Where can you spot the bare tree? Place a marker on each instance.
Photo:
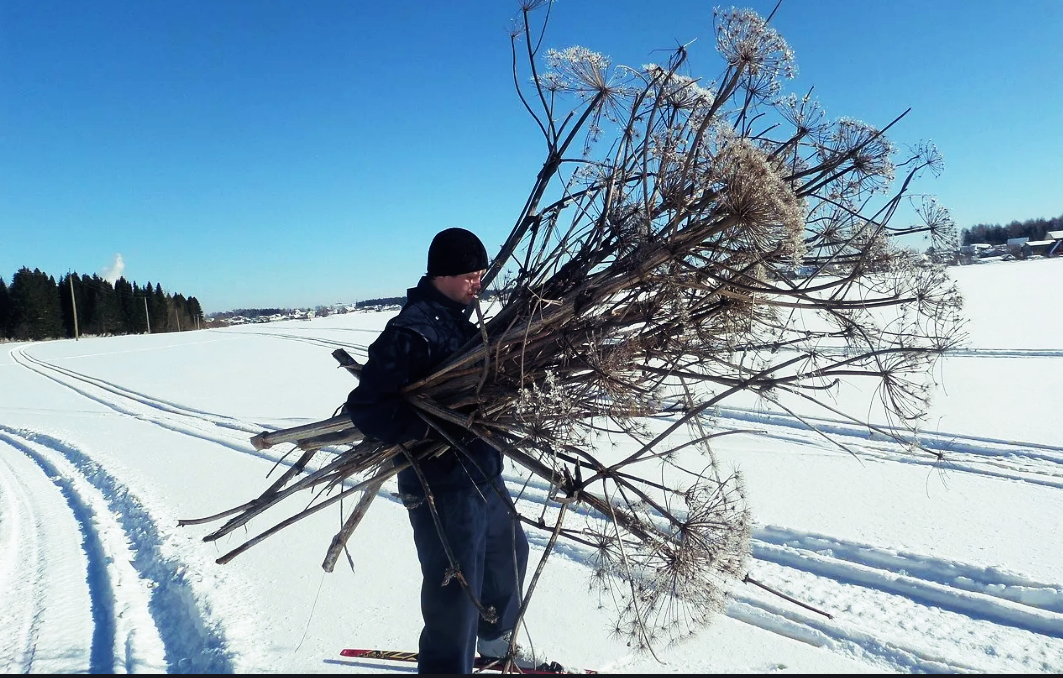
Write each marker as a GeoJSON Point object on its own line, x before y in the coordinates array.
{"type": "Point", "coordinates": [685, 241]}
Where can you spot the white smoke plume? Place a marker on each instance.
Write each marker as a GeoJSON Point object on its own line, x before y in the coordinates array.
{"type": "Point", "coordinates": [113, 271]}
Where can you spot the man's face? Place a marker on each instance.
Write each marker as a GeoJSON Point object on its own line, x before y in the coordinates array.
{"type": "Point", "coordinates": [460, 288]}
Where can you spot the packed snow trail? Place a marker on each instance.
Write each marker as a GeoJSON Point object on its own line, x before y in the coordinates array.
{"type": "Point", "coordinates": [133, 602]}
{"type": "Point", "coordinates": [72, 585]}
{"type": "Point", "coordinates": [888, 609]}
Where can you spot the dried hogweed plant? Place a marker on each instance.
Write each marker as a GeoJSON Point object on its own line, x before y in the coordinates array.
{"type": "Point", "coordinates": [685, 241]}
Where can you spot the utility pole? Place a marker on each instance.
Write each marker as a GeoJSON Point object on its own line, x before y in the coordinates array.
{"type": "Point", "coordinates": [147, 315]}
{"type": "Point", "coordinates": [73, 305]}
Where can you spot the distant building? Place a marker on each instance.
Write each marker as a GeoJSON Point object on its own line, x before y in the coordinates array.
{"type": "Point", "coordinates": [1056, 238]}
{"type": "Point", "coordinates": [980, 250]}
{"type": "Point", "coordinates": [1038, 248]}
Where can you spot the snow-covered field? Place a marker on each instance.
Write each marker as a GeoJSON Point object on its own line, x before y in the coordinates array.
{"type": "Point", "coordinates": [105, 443]}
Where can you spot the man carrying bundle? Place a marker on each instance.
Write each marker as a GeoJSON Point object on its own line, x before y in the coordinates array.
{"type": "Point", "coordinates": [474, 507]}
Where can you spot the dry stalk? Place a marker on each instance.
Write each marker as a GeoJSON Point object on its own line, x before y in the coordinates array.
{"type": "Point", "coordinates": [705, 239]}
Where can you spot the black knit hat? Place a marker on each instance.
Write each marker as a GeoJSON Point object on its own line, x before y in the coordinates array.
{"type": "Point", "coordinates": [455, 251]}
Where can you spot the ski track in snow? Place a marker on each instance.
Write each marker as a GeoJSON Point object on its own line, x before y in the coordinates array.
{"type": "Point", "coordinates": [907, 593]}
{"type": "Point", "coordinates": [980, 603]}
{"type": "Point", "coordinates": [107, 515]}
{"type": "Point", "coordinates": [29, 508]}
{"type": "Point", "coordinates": [913, 595]}
{"type": "Point", "coordinates": [355, 349]}
{"type": "Point", "coordinates": [1028, 462]}
{"type": "Point", "coordinates": [106, 512]}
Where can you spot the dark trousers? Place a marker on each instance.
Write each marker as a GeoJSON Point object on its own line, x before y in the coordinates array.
{"type": "Point", "coordinates": [490, 547]}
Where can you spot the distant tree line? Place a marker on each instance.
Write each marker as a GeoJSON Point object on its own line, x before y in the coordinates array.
{"type": "Point", "coordinates": [1034, 229]}
{"type": "Point", "coordinates": [400, 301]}
{"type": "Point", "coordinates": [387, 301]}
{"type": "Point", "coordinates": [251, 313]}
{"type": "Point", "coordinates": [35, 306]}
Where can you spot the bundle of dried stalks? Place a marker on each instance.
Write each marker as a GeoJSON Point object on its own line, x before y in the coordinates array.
{"type": "Point", "coordinates": [704, 240]}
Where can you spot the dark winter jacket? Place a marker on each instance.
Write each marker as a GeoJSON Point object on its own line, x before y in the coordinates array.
{"type": "Point", "coordinates": [429, 329]}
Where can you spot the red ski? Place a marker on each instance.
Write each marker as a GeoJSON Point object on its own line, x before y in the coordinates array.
{"type": "Point", "coordinates": [479, 663]}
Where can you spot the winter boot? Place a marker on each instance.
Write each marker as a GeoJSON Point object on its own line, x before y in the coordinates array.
{"type": "Point", "coordinates": [523, 659]}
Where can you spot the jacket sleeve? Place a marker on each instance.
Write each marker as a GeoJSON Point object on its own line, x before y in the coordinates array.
{"type": "Point", "coordinates": [396, 358]}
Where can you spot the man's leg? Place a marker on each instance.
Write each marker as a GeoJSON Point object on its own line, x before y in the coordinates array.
{"type": "Point", "coordinates": [448, 640]}
{"type": "Point", "coordinates": [505, 563]}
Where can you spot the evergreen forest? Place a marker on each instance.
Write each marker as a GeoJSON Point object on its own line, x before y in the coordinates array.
{"type": "Point", "coordinates": [36, 306]}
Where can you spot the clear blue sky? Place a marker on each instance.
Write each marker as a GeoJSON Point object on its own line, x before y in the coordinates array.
{"type": "Point", "coordinates": [289, 153]}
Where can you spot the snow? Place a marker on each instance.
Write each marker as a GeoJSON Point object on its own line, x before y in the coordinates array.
{"type": "Point", "coordinates": [105, 443]}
